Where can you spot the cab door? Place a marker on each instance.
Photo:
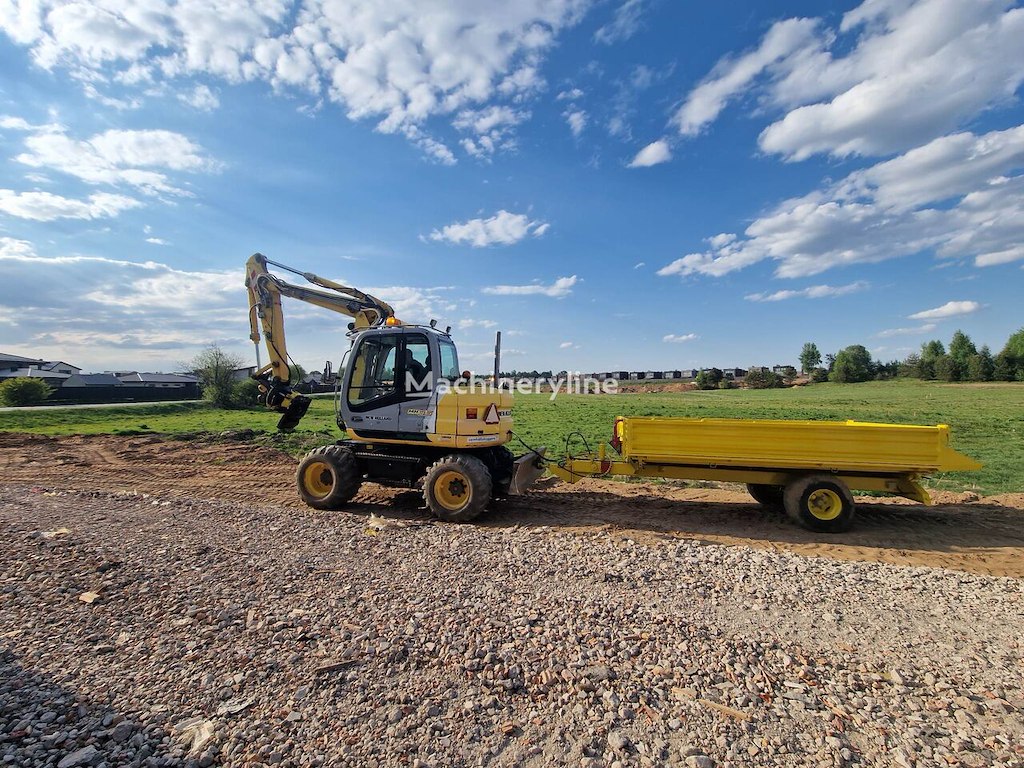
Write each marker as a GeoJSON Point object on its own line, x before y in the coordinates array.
{"type": "Point", "coordinates": [373, 393]}
{"type": "Point", "coordinates": [417, 364]}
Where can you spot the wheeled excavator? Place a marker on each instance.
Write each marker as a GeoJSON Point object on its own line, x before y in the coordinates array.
{"type": "Point", "coordinates": [400, 399]}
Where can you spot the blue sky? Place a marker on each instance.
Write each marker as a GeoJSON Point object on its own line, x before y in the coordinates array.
{"type": "Point", "coordinates": [617, 184]}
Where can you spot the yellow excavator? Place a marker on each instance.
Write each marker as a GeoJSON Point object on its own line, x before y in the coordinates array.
{"type": "Point", "coordinates": [410, 414]}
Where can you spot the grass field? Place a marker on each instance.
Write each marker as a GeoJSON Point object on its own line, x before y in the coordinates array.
{"type": "Point", "coordinates": [987, 419]}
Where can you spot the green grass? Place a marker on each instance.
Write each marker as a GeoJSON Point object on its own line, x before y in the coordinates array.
{"type": "Point", "coordinates": [987, 419]}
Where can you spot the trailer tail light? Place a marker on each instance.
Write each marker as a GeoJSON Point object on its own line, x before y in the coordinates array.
{"type": "Point", "coordinates": [471, 413]}
{"type": "Point", "coordinates": [616, 441]}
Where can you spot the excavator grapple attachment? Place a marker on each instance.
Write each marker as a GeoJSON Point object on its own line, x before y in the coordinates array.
{"type": "Point", "coordinates": [293, 413]}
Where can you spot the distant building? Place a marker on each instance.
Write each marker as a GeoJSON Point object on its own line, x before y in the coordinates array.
{"type": "Point", "coordinates": [16, 362]}
{"type": "Point", "coordinates": [241, 374]}
{"type": "Point", "coordinates": [673, 374]}
{"type": "Point", "coordinates": [734, 373]}
{"type": "Point", "coordinates": [159, 380]}
{"type": "Point", "coordinates": [93, 380]}
{"type": "Point", "coordinates": [689, 373]}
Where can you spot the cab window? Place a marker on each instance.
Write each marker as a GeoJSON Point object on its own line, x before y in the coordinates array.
{"type": "Point", "coordinates": [449, 361]}
{"type": "Point", "coordinates": [373, 369]}
{"type": "Point", "coordinates": [417, 364]}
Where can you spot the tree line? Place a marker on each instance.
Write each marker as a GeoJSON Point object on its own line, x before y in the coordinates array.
{"type": "Point", "coordinates": [962, 360]}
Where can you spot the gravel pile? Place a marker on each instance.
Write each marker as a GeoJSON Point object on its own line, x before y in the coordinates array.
{"type": "Point", "coordinates": [153, 631]}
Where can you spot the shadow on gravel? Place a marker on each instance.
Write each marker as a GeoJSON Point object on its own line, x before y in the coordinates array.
{"type": "Point", "coordinates": [938, 529]}
{"type": "Point", "coordinates": [42, 723]}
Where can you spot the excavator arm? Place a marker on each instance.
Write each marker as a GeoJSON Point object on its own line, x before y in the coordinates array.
{"type": "Point", "coordinates": [266, 315]}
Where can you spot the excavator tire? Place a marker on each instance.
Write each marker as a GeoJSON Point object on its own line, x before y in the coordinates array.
{"type": "Point", "coordinates": [504, 467]}
{"type": "Point", "coordinates": [457, 488]}
{"type": "Point", "coordinates": [768, 496]}
{"type": "Point", "coordinates": [820, 503]}
{"type": "Point", "coordinates": [328, 477]}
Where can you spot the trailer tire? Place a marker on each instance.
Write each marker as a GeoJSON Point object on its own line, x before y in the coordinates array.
{"type": "Point", "coordinates": [328, 477]}
{"type": "Point", "coordinates": [768, 496]}
{"type": "Point", "coordinates": [457, 488]}
{"type": "Point", "coordinates": [820, 503]}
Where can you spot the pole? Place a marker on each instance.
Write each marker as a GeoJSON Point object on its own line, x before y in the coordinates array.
{"type": "Point", "coordinates": [497, 357]}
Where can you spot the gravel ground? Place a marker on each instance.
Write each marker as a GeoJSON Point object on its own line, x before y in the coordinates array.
{"type": "Point", "coordinates": [225, 633]}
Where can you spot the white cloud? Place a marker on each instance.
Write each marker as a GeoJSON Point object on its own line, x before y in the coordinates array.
{"type": "Point", "coordinates": [559, 289]}
{"type": "Point", "coordinates": [811, 292]}
{"type": "Point", "coordinates": [949, 309]}
{"type": "Point", "coordinates": [640, 264]}
{"type": "Point", "coordinates": [399, 63]}
{"type": "Point", "coordinates": [156, 241]}
{"type": "Point", "coordinates": [570, 95]}
{"type": "Point", "coordinates": [953, 195]}
{"type": "Point", "coordinates": [117, 157]}
{"type": "Point", "coordinates": [624, 24]}
{"type": "Point", "coordinates": [503, 228]}
{"type": "Point", "coordinates": [44, 206]}
{"type": "Point", "coordinates": [201, 98]}
{"type": "Point", "coordinates": [894, 74]}
{"type": "Point", "coordinates": [466, 323]}
{"type": "Point", "coordinates": [654, 153]}
{"type": "Point", "coordinates": [492, 128]}
{"type": "Point", "coordinates": [731, 76]}
{"type": "Point", "coordinates": [890, 332]}
{"type": "Point", "coordinates": [673, 338]}
{"type": "Point", "coordinates": [577, 120]}
{"type": "Point", "coordinates": [565, 345]}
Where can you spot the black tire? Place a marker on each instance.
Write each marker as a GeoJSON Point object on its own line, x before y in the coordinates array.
{"type": "Point", "coordinates": [503, 467]}
{"type": "Point", "coordinates": [768, 496]}
{"type": "Point", "coordinates": [328, 477]}
{"type": "Point", "coordinates": [820, 503]}
{"type": "Point", "coordinates": [457, 488]}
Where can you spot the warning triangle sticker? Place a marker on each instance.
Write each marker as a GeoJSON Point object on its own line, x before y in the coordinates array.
{"type": "Point", "coordinates": [491, 414]}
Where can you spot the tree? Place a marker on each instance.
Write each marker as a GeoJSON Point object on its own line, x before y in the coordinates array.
{"type": "Point", "coordinates": [946, 368]}
{"type": "Point", "coordinates": [853, 364]}
{"type": "Point", "coordinates": [1013, 353]}
{"type": "Point", "coordinates": [1003, 370]}
{"type": "Point", "coordinates": [708, 378]}
{"type": "Point", "coordinates": [788, 372]}
{"type": "Point", "coordinates": [980, 367]}
{"type": "Point", "coordinates": [911, 367]}
{"type": "Point", "coordinates": [961, 348]}
{"type": "Point", "coordinates": [24, 390]}
{"type": "Point", "coordinates": [763, 379]}
{"type": "Point", "coordinates": [830, 362]}
{"type": "Point", "coordinates": [932, 349]}
{"type": "Point", "coordinates": [810, 357]}
{"type": "Point", "coordinates": [215, 369]}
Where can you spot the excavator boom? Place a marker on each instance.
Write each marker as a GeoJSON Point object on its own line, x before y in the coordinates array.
{"type": "Point", "coordinates": [266, 322]}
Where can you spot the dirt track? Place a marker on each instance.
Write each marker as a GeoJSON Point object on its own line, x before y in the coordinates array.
{"type": "Point", "coordinates": [962, 532]}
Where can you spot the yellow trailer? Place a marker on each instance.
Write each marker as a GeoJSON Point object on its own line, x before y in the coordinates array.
{"type": "Point", "coordinates": [805, 467]}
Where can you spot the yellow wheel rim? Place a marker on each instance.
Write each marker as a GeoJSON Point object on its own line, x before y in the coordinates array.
{"type": "Point", "coordinates": [452, 490]}
{"type": "Point", "coordinates": [318, 479]}
{"type": "Point", "coordinates": [825, 504]}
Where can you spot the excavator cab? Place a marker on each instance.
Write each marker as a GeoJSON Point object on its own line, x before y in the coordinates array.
{"type": "Point", "coordinates": [388, 387]}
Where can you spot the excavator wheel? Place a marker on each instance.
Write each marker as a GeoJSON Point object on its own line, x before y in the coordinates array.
{"type": "Point", "coordinates": [457, 488]}
{"type": "Point", "coordinates": [328, 477]}
{"type": "Point", "coordinates": [504, 464]}
{"type": "Point", "coordinates": [820, 503]}
{"type": "Point", "coordinates": [768, 496]}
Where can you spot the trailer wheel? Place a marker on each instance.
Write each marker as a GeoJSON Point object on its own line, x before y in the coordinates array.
{"type": "Point", "coordinates": [328, 477]}
{"type": "Point", "coordinates": [457, 488]}
{"type": "Point", "coordinates": [820, 503]}
{"type": "Point", "coordinates": [768, 496]}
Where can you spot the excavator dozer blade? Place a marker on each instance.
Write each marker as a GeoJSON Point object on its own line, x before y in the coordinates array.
{"type": "Point", "coordinates": [294, 413]}
{"type": "Point", "coordinates": [528, 468]}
